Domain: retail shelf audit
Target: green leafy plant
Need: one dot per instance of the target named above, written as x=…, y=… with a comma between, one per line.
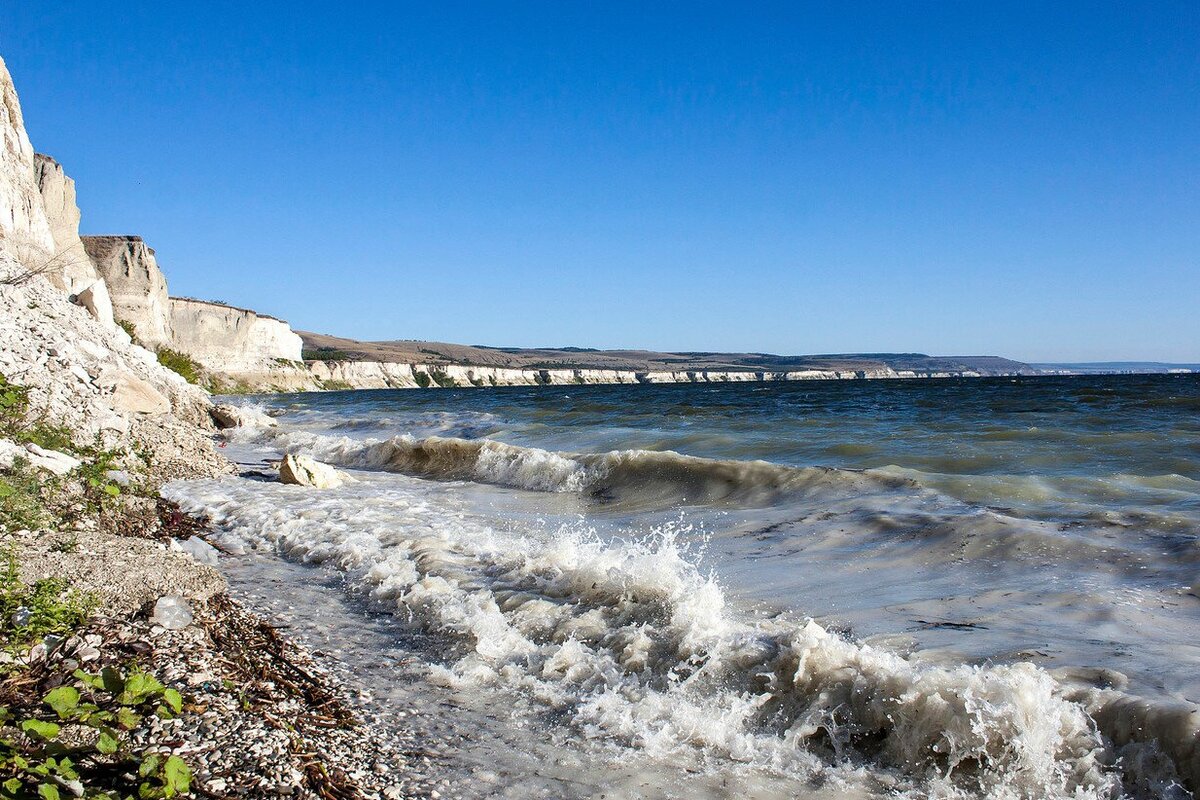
x=99, y=490
x=14, y=403
x=77, y=743
x=423, y=379
x=23, y=498
x=180, y=363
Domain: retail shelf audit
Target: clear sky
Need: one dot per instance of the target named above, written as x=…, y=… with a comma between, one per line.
x=1020, y=179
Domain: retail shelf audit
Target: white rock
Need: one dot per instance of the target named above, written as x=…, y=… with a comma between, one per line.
x=198, y=549
x=172, y=612
x=307, y=471
x=231, y=416
x=131, y=393
x=51, y=460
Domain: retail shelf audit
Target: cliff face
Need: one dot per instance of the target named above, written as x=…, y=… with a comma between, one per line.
x=23, y=224
x=387, y=375
x=135, y=283
x=80, y=371
x=230, y=339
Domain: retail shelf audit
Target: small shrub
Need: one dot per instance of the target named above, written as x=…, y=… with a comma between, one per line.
x=31, y=613
x=442, y=379
x=335, y=386
x=24, y=498
x=51, y=437
x=128, y=327
x=77, y=741
x=326, y=354
x=14, y=403
x=423, y=379
x=180, y=363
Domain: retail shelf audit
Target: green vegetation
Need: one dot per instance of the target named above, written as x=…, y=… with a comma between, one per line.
x=442, y=379
x=24, y=499
x=75, y=742
x=423, y=379
x=180, y=363
x=326, y=354
x=35, y=500
x=335, y=386
x=66, y=734
x=127, y=326
x=218, y=385
x=28, y=614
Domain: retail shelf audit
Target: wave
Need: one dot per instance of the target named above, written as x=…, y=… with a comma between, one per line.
x=633, y=643
x=630, y=477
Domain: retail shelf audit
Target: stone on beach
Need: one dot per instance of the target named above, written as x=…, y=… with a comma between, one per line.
x=229, y=416
x=307, y=471
x=172, y=612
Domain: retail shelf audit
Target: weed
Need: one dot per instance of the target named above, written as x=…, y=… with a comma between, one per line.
x=31, y=613
x=23, y=498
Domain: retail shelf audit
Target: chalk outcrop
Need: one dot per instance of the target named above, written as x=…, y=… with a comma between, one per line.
x=80, y=371
x=387, y=375
x=73, y=269
x=136, y=285
x=23, y=224
x=229, y=339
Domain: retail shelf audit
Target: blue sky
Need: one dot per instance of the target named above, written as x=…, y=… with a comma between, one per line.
x=953, y=178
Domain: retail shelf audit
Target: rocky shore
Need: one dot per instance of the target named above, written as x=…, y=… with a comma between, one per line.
x=126, y=669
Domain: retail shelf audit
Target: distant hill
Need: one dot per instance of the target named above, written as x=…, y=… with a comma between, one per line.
x=323, y=347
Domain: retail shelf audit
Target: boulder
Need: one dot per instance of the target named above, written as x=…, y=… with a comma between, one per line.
x=307, y=471
x=51, y=460
x=133, y=394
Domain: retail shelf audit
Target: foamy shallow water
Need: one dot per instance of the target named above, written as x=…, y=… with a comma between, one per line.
x=791, y=629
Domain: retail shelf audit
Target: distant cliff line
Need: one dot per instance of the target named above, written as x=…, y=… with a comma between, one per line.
x=335, y=375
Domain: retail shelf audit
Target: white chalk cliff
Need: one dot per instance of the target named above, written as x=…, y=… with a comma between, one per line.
x=136, y=285
x=389, y=375
x=229, y=339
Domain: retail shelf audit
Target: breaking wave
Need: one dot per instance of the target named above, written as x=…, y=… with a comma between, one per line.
x=633, y=643
x=633, y=477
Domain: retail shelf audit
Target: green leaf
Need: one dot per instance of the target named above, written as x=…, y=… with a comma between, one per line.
x=173, y=699
x=6, y=490
x=64, y=700
x=40, y=729
x=149, y=765
x=112, y=490
x=12, y=785
x=112, y=680
x=108, y=742
x=48, y=791
x=128, y=718
x=140, y=686
x=177, y=776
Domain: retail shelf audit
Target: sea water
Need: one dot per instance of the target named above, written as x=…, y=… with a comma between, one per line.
x=925, y=588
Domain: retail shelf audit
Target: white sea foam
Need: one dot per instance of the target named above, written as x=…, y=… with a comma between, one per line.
x=635, y=644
